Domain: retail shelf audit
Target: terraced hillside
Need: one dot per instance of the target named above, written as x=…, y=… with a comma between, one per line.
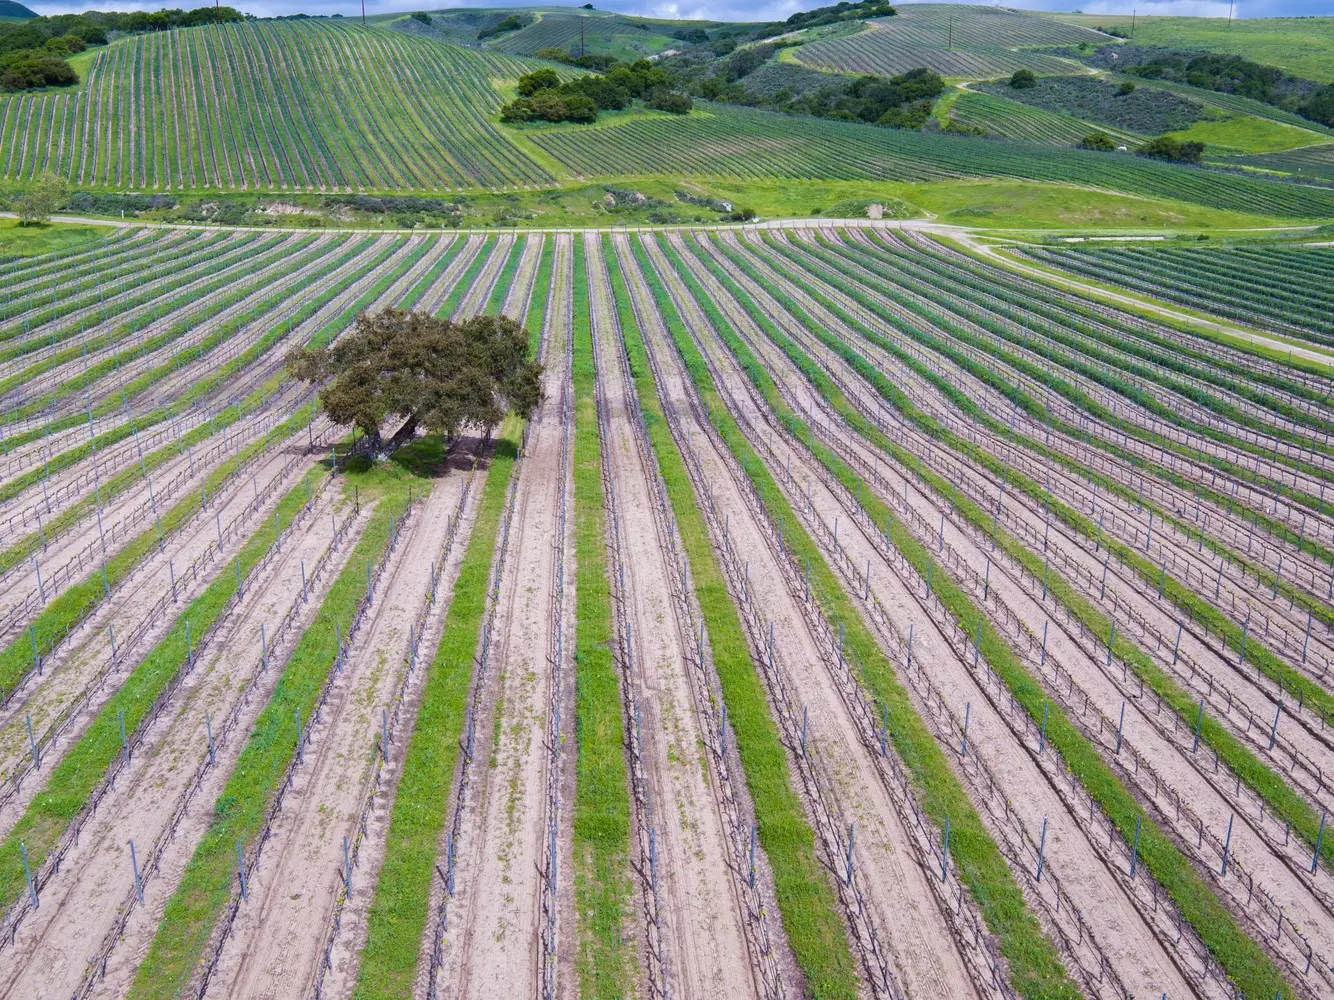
x=808, y=599
x=955, y=40
x=313, y=104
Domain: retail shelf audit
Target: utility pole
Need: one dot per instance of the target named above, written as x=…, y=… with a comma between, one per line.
x=1132, y=21
x=950, y=46
x=1230, y=5
x=582, y=51
x=363, y=13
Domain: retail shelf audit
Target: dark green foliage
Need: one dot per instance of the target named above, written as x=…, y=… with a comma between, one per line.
x=512, y=23
x=430, y=372
x=33, y=51
x=1147, y=110
x=1320, y=108
x=843, y=11
x=542, y=79
x=1167, y=148
x=670, y=100
x=421, y=15
x=1023, y=79
x=1098, y=140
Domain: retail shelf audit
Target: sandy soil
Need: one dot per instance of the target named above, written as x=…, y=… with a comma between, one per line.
x=95, y=882
x=1137, y=957
x=80, y=676
x=708, y=955
x=272, y=951
x=492, y=946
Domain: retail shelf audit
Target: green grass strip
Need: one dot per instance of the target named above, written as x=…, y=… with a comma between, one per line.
x=73, y=779
x=496, y=301
x=451, y=304
x=398, y=911
x=1307, y=691
x=537, y=303
x=1277, y=793
x=1244, y=961
x=1035, y=967
x=72, y=605
x=806, y=900
x=432, y=274
x=210, y=877
x=602, y=886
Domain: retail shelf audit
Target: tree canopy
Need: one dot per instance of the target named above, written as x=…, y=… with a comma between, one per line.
x=430, y=373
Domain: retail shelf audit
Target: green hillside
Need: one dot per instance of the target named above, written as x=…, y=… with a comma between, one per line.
x=9, y=8
x=1304, y=46
x=292, y=104
x=955, y=40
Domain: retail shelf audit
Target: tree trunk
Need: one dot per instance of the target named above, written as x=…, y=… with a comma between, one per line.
x=402, y=436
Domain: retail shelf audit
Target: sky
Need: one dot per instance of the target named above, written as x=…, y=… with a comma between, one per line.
x=730, y=10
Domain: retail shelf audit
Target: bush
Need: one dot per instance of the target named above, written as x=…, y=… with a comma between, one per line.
x=542, y=79
x=512, y=23
x=1165, y=147
x=670, y=100
x=913, y=115
x=34, y=70
x=1319, y=108
x=1126, y=88
x=1022, y=79
x=422, y=16
x=1098, y=140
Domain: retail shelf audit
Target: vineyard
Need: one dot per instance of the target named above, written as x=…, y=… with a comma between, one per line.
x=790, y=613
x=955, y=40
x=1282, y=288
x=1012, y=120
x=726, y=141
x=280, y=105
x=598, y=33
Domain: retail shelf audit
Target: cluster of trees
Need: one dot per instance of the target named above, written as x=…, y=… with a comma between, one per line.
x=512, y=23
x=1165, y=147
x=902, y=101
x=429, y=373
x=543, y=97
x=1232, y=74
x=843, y=11
x=34, y=51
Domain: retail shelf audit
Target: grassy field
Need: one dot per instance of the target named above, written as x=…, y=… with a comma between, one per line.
x=1304, y=46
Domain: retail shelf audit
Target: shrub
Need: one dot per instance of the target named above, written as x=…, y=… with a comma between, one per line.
x=512, y=23
x=912, y=115
x=1126, y=88
x=421, y=15
x=1022, y=79
x=1098, y=140
x=1165, y=147
x=670, y=100
x=542, y=79
x=32, y=69
x=1320, y=108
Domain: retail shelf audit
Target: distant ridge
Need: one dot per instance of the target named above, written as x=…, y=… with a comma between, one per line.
x=8, y=8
